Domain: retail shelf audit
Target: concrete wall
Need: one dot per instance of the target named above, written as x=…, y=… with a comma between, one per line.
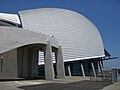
x=9, y=67
x=12, y=38
x=19, y=63
x=27, y=62
x=23, y=62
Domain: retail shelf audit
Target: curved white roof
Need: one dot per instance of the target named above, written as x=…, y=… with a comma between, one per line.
x=10, y=17
x=79, y=37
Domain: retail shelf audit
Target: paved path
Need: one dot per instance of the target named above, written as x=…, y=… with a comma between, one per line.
x=70, y=83
x=115, y=86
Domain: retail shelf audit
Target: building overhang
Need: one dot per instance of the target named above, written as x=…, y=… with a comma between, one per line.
x=12, y=18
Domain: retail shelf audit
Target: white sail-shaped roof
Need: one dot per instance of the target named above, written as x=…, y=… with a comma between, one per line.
x=80, y=39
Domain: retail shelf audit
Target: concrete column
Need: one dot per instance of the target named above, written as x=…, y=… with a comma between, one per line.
x=102, y=68
x=98, y=66
x=93, y=68
x=30, y=62
x=60, y=63
x=101, y=63
x=25, y=62
x=49, y=71
x=69, y=71
x=83, y=72
x=35, y=62
x=20, y=61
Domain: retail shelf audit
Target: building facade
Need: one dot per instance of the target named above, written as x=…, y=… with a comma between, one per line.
x=19, y=51
x=82, y=46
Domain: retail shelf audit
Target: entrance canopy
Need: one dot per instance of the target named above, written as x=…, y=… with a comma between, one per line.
x=12, y=37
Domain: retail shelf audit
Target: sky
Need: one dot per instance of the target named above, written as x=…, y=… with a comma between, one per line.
x=105, y=14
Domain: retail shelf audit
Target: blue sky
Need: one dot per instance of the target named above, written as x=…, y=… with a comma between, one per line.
x=105, y=14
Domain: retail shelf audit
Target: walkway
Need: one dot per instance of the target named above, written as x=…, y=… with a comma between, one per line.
x=70, y=83
x=115, y=86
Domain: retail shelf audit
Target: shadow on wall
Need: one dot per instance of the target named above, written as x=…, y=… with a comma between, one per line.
x=83, y=85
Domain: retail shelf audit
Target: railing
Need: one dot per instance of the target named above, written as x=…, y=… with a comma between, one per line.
x=101, y=76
